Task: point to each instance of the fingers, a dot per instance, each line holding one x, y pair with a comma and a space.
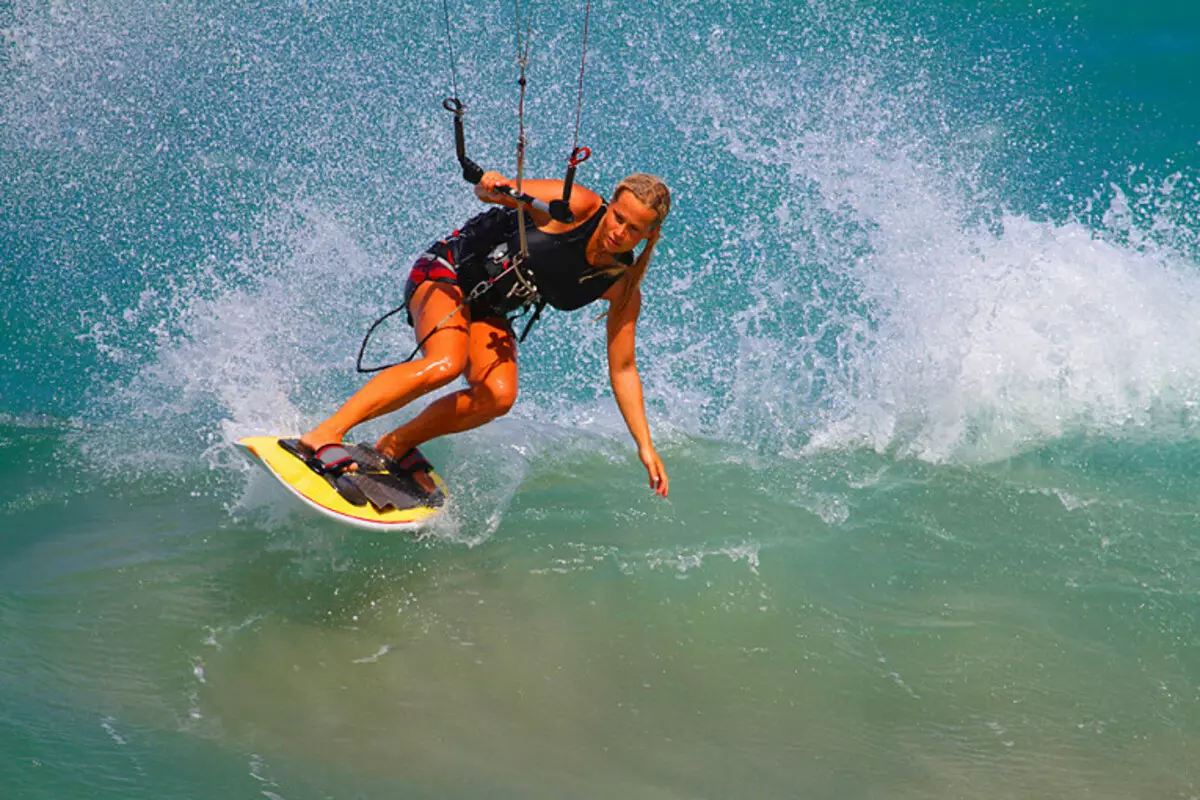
491, 180
658, 477
659, 483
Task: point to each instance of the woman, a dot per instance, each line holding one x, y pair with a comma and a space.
570, 264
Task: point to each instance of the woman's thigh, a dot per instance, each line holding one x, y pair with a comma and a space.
440, 321
493, 360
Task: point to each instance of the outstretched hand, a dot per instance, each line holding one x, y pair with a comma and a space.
655, 469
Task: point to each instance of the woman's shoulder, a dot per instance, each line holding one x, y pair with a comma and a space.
585, 204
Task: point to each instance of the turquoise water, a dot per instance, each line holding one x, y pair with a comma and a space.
920, 349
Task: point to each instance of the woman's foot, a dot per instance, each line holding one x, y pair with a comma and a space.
320, 438
391, 447
397, 450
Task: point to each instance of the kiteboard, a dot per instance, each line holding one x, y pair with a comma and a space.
381, 495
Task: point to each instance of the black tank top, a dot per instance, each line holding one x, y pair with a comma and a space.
557, 262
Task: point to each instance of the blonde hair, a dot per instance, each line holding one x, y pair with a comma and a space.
651, 191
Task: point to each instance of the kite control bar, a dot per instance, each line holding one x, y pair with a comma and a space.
472, 173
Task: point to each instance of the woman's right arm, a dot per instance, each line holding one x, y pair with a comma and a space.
584, 201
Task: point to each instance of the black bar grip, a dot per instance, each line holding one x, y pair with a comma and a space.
471, 171
533, 202
568, 183
460, 140
456, 107
560, 210
555, 209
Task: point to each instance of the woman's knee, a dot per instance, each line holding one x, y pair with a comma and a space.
430, 373
439, 371
495, 398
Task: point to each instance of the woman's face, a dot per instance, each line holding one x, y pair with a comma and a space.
628, 222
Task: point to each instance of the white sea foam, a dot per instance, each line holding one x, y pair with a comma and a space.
842, 269
886, 293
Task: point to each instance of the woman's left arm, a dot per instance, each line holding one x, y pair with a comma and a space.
625, 304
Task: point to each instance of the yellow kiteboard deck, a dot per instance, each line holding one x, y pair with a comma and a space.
388, 490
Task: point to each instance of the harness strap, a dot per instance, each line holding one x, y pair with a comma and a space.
537, 312
529, 296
